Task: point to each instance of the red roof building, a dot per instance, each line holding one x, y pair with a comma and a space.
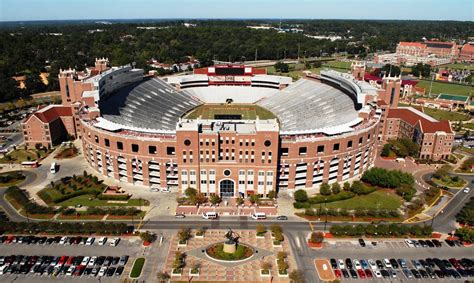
434, 137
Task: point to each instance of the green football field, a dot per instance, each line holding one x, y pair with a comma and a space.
245, 111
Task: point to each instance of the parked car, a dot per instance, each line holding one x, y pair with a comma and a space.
102, 241
362, 243
114, 242
180, 215
282, 217
123, 260
102, 271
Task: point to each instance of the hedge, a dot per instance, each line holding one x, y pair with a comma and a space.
113, 197
331, 198
387, 178
60, 228
381, 230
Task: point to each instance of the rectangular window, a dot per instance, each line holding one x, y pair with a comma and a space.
360, 140
250, 172
170, 150
261, 173
335, 147
284, 151
152, 149
119, 145
242, 172
107, 142
96, 138
320, 148
134, 147
212, 182
303, 150
349, 144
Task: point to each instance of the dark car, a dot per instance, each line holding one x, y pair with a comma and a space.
385, 273
431, 273
423, 273
362, 243
379, 264
353, 273
115, 260
436, 243
349, 263
424, 263
430, 262
111, 271
415, 273
423, 243
49, 241
108, 261
333, 263
119, 271
344, 273
394, 263
57, 239
87, 271
282, 217
100, 260
450, 243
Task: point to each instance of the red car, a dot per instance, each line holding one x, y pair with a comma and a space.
62, 260
338, 273
369, 273
69, 260
361, 273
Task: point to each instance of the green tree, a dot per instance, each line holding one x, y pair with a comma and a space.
272, 194
297, 276
347, 186
34, 84
325, 189
215, 199
385, 150
301, 196
335, 188
190, 192
281, 67
391, 70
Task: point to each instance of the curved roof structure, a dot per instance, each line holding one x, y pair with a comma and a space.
308, 106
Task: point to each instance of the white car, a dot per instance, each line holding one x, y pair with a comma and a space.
102, 241
372, 264
387, 263
114, 242
63, 241
92, 261
70, 271
85, 261
102, 271
409, 243
357, 264
466, 190
340, 262
377, 273
90, 241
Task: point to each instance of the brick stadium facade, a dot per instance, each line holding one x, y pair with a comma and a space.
229, 158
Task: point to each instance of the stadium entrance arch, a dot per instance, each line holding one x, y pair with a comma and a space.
227, 188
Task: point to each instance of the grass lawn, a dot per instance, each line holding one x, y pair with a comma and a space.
21, 155
137, 267
446, 115
445, 88
11, 179
338, 65
246, 111
380, 199
468, 125
91, 201
459, 66
449, 183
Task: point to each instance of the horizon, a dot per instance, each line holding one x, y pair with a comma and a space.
55, 10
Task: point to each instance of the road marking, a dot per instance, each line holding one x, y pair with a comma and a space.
311, 226
298, 243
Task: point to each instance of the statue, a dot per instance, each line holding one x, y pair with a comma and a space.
230, 245
231, 236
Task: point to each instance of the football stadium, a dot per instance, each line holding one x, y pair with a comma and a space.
228, 129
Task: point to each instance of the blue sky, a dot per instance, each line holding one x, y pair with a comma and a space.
14, 10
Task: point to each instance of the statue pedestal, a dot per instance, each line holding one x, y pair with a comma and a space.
229, 247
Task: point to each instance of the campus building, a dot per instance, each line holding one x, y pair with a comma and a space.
227, 129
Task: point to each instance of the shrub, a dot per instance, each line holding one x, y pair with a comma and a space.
387, 178
325, 189
407, 192
335, 188
148, 237
215, 199
272, 194
301, 196
317, 237
359, 188
299, 205
309, 212
260, 229
386, 150
184, 234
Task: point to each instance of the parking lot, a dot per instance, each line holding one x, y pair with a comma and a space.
421, 264
43, 262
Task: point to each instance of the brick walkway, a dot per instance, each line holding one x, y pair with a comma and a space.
248, 271
231, 208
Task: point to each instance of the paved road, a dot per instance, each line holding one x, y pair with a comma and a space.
10, 211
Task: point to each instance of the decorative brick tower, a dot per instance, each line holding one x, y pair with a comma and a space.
358, 70
390, 92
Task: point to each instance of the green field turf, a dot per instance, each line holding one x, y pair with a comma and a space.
247, 111
446, 88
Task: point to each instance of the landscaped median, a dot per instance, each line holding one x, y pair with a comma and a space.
11, 178
378, 196
137, 267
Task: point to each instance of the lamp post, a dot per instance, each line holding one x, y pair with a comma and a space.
326, 213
